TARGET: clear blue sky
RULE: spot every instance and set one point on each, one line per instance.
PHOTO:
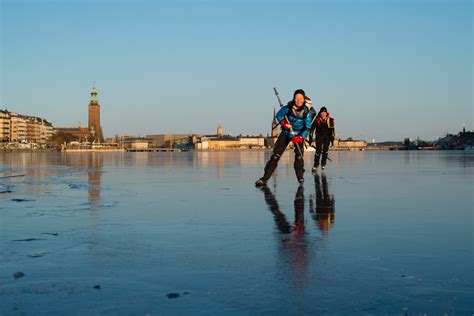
(385, 69)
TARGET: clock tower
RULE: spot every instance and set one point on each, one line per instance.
(95, 129)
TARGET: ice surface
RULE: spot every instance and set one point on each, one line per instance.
(188, 233)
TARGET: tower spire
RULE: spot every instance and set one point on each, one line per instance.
(94, 99)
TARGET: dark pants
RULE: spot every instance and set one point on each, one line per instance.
(280, 218)
(322, 148)
(280, 146)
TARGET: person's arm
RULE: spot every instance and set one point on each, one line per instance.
(281, 117)
(333, 131)
(307, 126)
(281, 113)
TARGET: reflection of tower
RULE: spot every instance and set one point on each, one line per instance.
(274, 128)
(219, 131)
(94, 164)
(219, 164)
(94, 118)
(325, 204)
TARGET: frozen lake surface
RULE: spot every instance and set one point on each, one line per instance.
(188, 233)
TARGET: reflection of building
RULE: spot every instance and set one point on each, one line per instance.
(89, 165)
(95, 162)
(207, 159)
(15, 127)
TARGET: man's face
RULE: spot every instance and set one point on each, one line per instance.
(299, 100)
(324, 115)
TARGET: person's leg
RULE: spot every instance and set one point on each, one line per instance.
(298, 228)
(317, 155)
(280, 146)
(325, 152)
(299, 161)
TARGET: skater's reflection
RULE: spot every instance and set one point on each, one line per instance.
(324, 213)
(294, 247)
(280, 219)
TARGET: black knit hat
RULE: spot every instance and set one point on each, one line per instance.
(299, 91)
(323, 109)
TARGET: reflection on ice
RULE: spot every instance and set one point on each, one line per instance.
(293, 251)
(325, 203)
(144, 225)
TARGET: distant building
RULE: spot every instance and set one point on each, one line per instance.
(136, 143)
(19, 128)
(80, 133)
(252, 142)
(223, 142)
(15, 127)
(171, 140)
(464, 140)
(271, 140)
(93, 132)
(218, 143)
(349, 144)
(4, 126)
(94, 118)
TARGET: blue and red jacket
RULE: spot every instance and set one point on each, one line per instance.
(300, 119)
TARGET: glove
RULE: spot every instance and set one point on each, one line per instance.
(298, 229)
(284, 123)
(297, 139)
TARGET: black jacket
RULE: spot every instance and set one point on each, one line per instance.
(324, 128)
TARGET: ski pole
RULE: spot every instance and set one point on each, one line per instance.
(278, 97)
(280, 103)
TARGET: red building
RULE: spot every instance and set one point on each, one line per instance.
(94, 118)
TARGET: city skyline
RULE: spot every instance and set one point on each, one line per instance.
(385, 71)
(94, 121)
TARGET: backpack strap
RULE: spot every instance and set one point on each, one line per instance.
(292, 112)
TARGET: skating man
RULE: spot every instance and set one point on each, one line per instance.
(323, 125)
